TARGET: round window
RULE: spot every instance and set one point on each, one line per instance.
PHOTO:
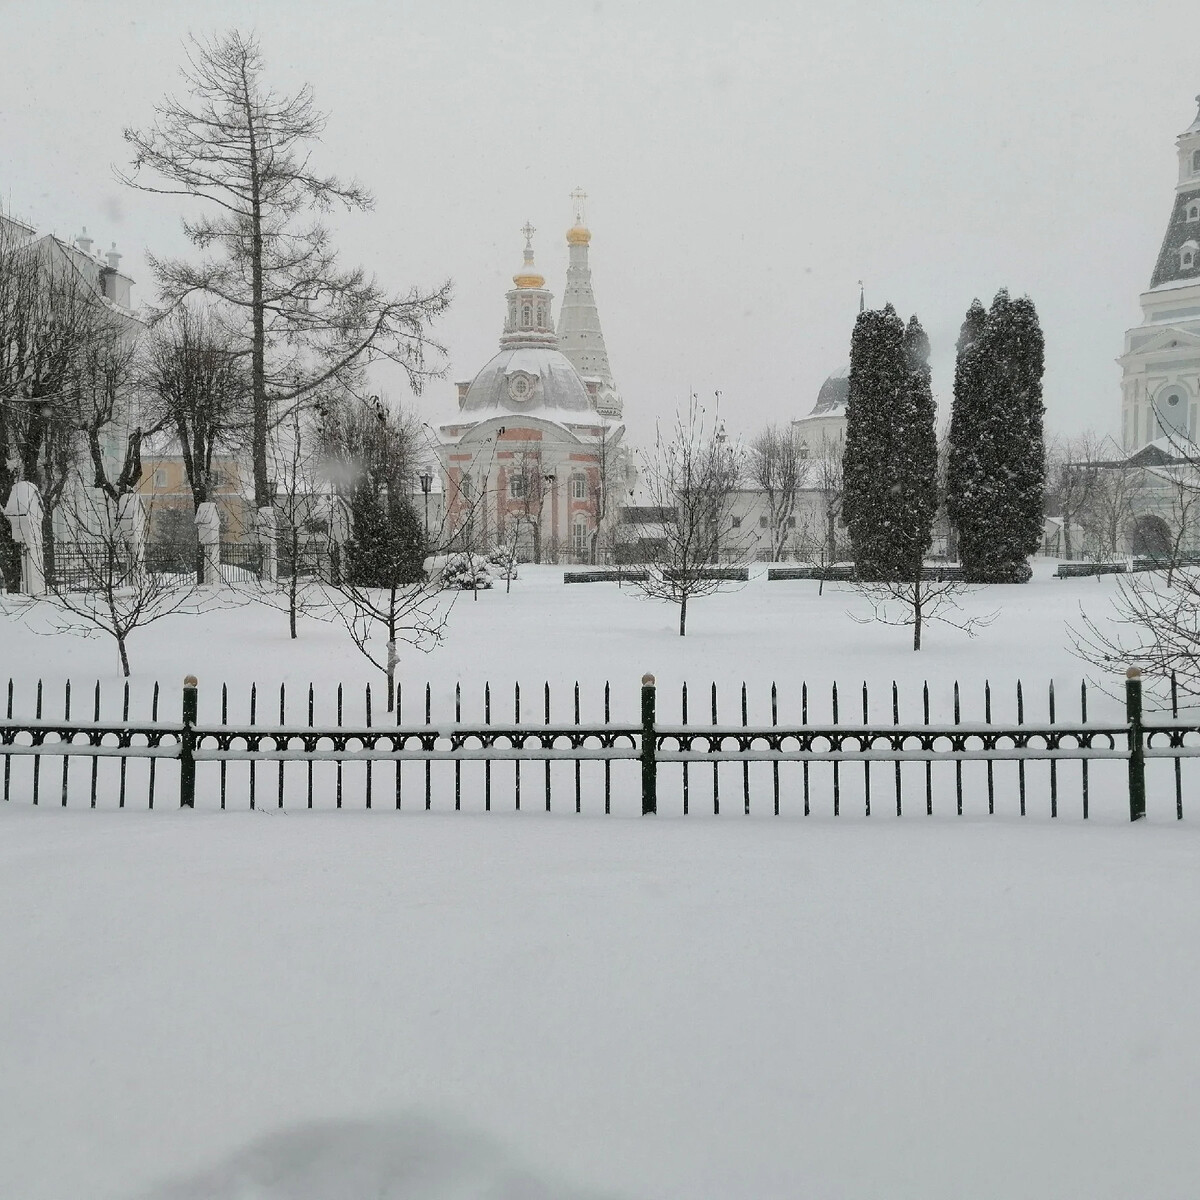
(1172, 399)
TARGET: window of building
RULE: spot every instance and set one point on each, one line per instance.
(736, 522)
(1196, 162)
(541, 315)
(160, 478)
(762, 522)
(579, 535)
(791, 523)
(526, 315)
(578, 487)
(1193, 212)
(464, 484)
(1187, 257)
(518, 487)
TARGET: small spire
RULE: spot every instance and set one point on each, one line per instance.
(862, 304)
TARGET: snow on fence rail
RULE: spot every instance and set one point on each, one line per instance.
(796, 764)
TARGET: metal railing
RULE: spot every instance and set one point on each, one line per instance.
(689, 750)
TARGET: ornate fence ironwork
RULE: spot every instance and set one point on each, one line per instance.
(853, 752)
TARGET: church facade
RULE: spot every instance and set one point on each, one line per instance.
(1160, 368)
(534, 452)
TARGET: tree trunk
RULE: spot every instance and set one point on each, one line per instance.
(917, 617)
(683, 616)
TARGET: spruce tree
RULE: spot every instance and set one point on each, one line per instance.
(997, 465)
(386, 548)
(890, 460)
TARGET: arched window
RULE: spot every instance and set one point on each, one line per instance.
(579, 538)
(526, 315)
(1193, 212)
(464, 485)
(512, 314)
(578, 487)
(1187, 257)
(518, 487)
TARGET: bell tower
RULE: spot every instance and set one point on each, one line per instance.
(1160, 368)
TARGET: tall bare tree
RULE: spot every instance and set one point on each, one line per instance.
(778, 464)
(1072, 477)
(302, 320)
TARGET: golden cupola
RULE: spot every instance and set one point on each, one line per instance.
(527, 276)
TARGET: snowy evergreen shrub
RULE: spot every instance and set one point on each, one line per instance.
(386, 547)
(890, 460)
(996, 471)
(466, 572)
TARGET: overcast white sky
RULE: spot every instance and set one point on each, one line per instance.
(746, 164)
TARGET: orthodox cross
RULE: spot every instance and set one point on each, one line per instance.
(528, 230)
(579, 198)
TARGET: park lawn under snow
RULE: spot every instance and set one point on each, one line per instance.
(251, 1006)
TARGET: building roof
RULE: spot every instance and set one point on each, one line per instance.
(834, 393)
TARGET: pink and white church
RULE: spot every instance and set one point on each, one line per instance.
(534, 451)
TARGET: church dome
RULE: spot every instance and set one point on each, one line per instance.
(527, 379)
(835, 392)
(578, 235)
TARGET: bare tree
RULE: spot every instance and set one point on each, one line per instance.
(778, 465)
(301, 319)
(1114, 488)
(382, 593)
(691, 479)
(529, 485)
(49, 316)
(101, 583)
(917, 602)
(1072, 476)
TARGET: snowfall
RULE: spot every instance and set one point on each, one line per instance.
(267, 1004)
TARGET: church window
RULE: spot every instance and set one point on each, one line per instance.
(736, 522)
(526, 315)
(579, 538)
(578, 487)
(762, 522)
(541, 315)
(518, 487)
(1193, 212)
(1187, 256)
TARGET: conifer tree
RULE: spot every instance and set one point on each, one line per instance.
(890, 461)
(997, 461)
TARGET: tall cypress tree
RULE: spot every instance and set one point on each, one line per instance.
(890, 460)
(997, 465)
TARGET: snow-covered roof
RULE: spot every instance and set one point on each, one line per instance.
(834, 393)
(527, 379)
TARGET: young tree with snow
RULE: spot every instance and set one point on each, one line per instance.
(691, 478)
(302, 320)
(997, 469)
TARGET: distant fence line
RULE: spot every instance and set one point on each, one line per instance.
(696, 747)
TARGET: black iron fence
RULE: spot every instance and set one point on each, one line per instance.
(778, 764)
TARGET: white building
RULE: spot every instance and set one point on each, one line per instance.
(1160, 369)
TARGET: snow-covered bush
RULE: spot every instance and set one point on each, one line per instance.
(468, 572)
(502, 562)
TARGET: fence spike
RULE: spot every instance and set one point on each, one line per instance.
(225, 722)
(546, 687)
(1021, 762)
(717, 741)
(607, 762)
(745, 762)
(95, 758)
(837, 766)
(578, 764)
(311, 714)
(457, 762)
(804, 721)
(341, 746)
(282, 722)
(866, 761)
(487, 766)
(987, 716)
(928, 762)
(66, 762)
(153, 761)
(1084, 762)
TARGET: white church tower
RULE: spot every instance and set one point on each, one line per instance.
(1161, 364)
(580, 337)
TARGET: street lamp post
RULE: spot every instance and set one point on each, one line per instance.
(426, 484)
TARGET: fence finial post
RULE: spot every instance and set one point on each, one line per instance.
(649, 743)
(187, 745)
(1137, 756)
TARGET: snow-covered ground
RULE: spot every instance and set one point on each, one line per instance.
(249, 1006)
(341, 1005)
